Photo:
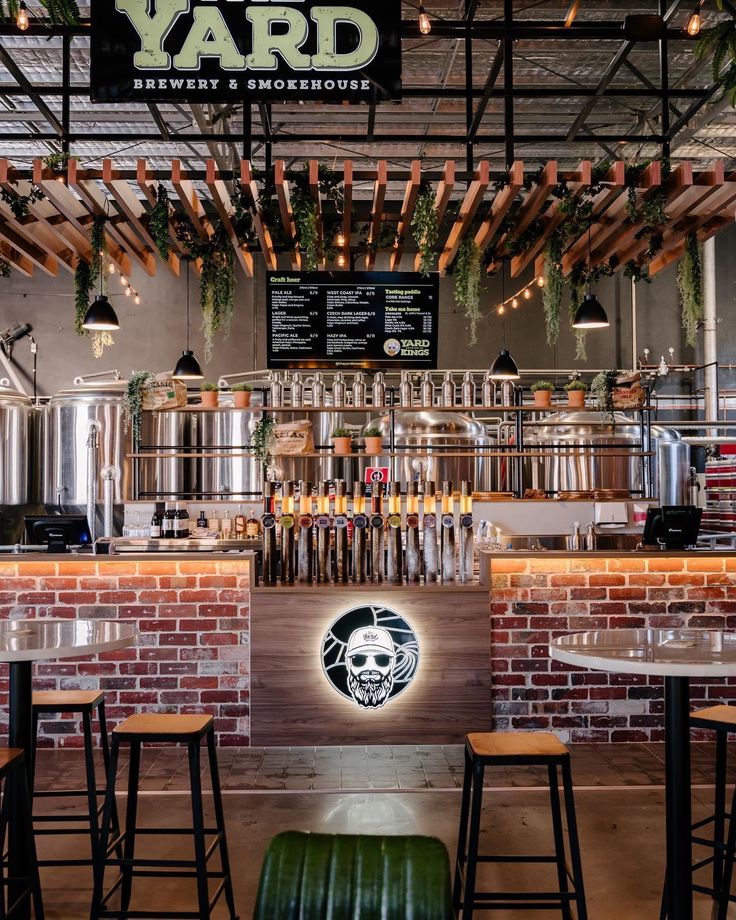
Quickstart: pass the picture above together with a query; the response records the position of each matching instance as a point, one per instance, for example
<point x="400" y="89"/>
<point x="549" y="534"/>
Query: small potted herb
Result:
<point x="542" y="391"/>
<point x="576" y="391"/>
<point x="373" y="439"/>
<point x="208" y="395"/>
<point x="342" y="439"/>
<point x="241" y="395"/>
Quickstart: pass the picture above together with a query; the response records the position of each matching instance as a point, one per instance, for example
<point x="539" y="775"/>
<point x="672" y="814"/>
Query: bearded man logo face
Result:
<point x="370" y="659"/>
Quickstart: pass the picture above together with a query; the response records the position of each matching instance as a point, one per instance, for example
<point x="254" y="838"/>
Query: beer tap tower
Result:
<point x="448" y="533"/>
<point x="429" y="526"/>
<point x="395" y="556"/>
<point x="323" y="533"/>
<point x="305" y="546"/>
<point x="340" y="520"/>
<point x="378" y="567"/>
<point x="360" y="534"/>
<point x="413" y="553"/>
<point x="466" y="532"/>
<point x="286" y="523"/>
<point x="268" y="522"/>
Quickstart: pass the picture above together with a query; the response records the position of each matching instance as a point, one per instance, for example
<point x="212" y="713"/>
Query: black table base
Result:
<point x="678" y="886"/>
<point x="20" y="843"/>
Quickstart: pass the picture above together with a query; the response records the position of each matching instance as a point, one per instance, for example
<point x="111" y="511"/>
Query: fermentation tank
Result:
<point x="426" y="435"/>
<point x="17" y="424"/>
<point x="611" y="459"/>
<point x="232" y="472"/>
<point x="166" y="474"/>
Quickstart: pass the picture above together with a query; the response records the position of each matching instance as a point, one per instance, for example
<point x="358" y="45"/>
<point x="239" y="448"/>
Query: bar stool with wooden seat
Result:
<point x="16" y="891"/>
<point x="173" y="728"/>
<point x="514" y="749"/>
<point x="87" y="703"/>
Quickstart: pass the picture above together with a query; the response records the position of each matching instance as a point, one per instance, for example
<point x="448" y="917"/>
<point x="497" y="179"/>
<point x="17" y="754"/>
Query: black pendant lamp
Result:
<point x="100" y="316"/>
<point x="187" y="367"/>
<point x="504" y="367"/>
<point x="590" y="314"/>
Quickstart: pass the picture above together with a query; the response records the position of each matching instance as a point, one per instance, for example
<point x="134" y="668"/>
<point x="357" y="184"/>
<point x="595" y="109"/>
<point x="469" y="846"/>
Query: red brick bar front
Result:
<point x="193" y="618"/>
<point x="536" y="597"/>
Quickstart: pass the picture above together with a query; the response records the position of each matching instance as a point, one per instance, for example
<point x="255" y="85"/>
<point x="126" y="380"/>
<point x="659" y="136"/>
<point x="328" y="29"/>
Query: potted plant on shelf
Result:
<point x="576" y="391"/>
<point x="542" y="391"/>
<point x="208" y="395"/>
<point x="342" y="439"/>
<point x="373" y="439"/>
<point x="241" y="395"/>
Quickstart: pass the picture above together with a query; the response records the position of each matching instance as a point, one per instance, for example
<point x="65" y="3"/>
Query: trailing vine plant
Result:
<point x="86" y="276"/>
<point x="261" y="440"/>
<point x="20" y="204"/>
<point x="690" y="287"/>
<point x="133" y="404"/>
<point x="467" y="284"/>
<point x="158" y="222"/>
<point x="602" y="387"/>
<point x="425" y="228"/>
<point x="314" y="246"/>
<point x="4" y="268"/>
<point x="60" y="12"/>
<point x="719" y="43"/>
<point x="57" y="161"/>
<point x="552" y="290"/>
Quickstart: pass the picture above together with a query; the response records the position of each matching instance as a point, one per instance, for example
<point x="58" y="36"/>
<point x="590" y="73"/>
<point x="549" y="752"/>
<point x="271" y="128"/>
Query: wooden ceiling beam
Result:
<point x="471" y="203"/>
<point x="313" y="168"/>
<point x="189" y="199"/>
<point x="287" y="216"/>
<point x="442" y="196"/>
<point x="35" y="254"/>
<point x="18" y="261"/>
<point x="500" y="206"/>
<point x="250" y="189"/>
<point x="148" y="185"/>
<point x="379" y="198"/>
<point x="223" y="204"/>
<point x="411" y="193"/>
<point x="347" y="211"/>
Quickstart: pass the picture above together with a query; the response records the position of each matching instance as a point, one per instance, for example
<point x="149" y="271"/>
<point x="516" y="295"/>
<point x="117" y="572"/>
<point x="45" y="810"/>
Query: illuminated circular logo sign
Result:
<point x="392" y="347"/>
<point x="370" y="655"/>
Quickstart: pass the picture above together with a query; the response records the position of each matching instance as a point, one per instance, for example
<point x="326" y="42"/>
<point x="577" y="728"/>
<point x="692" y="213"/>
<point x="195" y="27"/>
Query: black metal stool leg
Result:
<point x="462" y="838"/>
<point x="572" y="834"/>
<point x="131" y="811"/>
<point x="472" y="858"/>
<point x="200" y="856"/>
<point x="3" y="838"/>
<point x="89" y="763"/>
<point x="34" y="745"/>
<point x="719" y="821"/>
<point x="554" y="801"/>
<point x="100" y="857"/>
<point x="220" y="823"/>
<point x="725" y="891"/>
<point x="35" y="880"/>
<point x="105" y="747"/>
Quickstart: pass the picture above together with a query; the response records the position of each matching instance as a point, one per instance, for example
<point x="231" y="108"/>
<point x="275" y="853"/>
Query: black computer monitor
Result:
<point x="672" y="526"/>
<point x="57" y="532"/>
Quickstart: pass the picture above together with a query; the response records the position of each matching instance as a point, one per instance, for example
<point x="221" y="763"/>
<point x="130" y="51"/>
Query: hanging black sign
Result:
<point x="224" y="50"/>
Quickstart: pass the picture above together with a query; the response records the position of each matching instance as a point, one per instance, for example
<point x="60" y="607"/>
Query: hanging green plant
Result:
<point x="20" y="204"/>
<point x="86" y="276"/>
<point x="690" y="287"/>
<point x="576" y="298"/>
<point x="158" y="222"/>
<point x="425" y="228"/>
<point x="552" y="289"/>
<point x="261" y="440"/>
<point x="62" y="12"/>
<point x="133" y="404"/>
<point x="467" y="285"/>
<point x="57" y="161"/>
<point x="4" y="268"/>
<point x="83" y="284"/>
<point x="313" y="247"/>
<point x="602" y="387"/>
<point x="719" y="43"/>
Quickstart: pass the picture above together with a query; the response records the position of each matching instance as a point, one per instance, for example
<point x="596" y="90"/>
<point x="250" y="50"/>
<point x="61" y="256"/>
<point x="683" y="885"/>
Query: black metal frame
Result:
<point x="505" y="31"/>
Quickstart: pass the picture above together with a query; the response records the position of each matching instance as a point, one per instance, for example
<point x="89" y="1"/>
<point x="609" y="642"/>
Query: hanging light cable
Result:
<point x="504" y="367"/>
<point x="590" y="314"/>
<point x="187" y="367"/>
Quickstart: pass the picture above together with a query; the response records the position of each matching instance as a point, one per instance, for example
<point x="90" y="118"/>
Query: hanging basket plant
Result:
<point x="425" y="228"/>
<point x="159" y="222"/>
<point x="690" y="287"/>
<point x="467" y="285"/>
<point x="552" y="289"/>
<point x="602" y="387"/>
<point x="261" y="440"/>
<point x="87" y="276"/>
<point x="133" y="404"/>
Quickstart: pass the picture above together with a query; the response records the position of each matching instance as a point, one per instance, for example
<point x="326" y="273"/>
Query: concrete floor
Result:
<point x="620" y="822"/>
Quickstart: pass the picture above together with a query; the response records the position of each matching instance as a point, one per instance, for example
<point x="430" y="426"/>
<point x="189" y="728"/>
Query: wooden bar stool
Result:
<point x="15" y="893"/>
<point x="515" y="749"/>
<point x="173" y="729"/>
<point x="87" y="703"/>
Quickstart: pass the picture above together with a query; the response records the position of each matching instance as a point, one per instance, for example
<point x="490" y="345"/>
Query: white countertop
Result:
<point x="41" y="639"/>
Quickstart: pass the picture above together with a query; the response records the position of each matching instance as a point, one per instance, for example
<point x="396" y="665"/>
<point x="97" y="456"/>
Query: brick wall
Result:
<point x="534" y="600"/>
<point x="193" y="618"/>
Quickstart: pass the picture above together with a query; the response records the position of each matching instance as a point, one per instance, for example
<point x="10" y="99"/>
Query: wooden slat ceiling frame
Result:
<point x="442" y="195"/>
<point x="146" y="183"/>
<point x="347" y="217"/>
<point x="287" y="216"/>
<point x="16" y="259"/>
<point x="379" y="198"/>
<point x="221" y="200"/>
<point x="471" y="203"/>
<point x="250" y="190"/>
<point x="313" y="168"/>
<point x="500" y="206"/>
<point x="411" y="193"/>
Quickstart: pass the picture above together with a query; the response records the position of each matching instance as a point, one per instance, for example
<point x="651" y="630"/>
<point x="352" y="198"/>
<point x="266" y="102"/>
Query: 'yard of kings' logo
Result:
<point x="370" y="655"/>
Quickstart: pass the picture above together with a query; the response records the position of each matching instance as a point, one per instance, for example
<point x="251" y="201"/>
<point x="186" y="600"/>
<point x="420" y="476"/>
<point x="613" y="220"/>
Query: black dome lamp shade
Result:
<point x="100" y="316"/>
<point x="504" y="367"/>
<point x="590" y="314"/>
<point x="187" y="367"/>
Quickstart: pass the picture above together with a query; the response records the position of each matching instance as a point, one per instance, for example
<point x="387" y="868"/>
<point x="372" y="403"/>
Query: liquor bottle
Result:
<point x="202" y="520"/>
<point x="169" y="525"/>
<point x="427" y="390"/>
<point x="448" y="390"/>
<point x="226" y="525"/>
<point x="155" y="530"/>
<point x="338" y="390"/>
<point x="378" y="390"/>
<point x="213" y="522"/>
<point x="359" y="390"/>
<point x="252" y="527"/>
<point x="406" y="390"/>
<point x="181" y="523"/>
<point x="240" y="524"/>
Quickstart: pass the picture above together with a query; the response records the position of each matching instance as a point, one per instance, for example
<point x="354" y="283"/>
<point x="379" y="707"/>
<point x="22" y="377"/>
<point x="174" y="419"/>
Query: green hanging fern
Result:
<point x="467" y="285"/>
<point x="552" y="290"/>
<point x="19" y="204"/>
<point x="62" y="12"/>
<point x="158" y="222"/>
<point x="425" y="227"/>
<point x="690" y="287"/>
<point x="87" y="275"/>
<point x="83" y="284"/>
<point x="133" y="404"/>
<point x="4" y="268"/>
<point x="261" y="439"/>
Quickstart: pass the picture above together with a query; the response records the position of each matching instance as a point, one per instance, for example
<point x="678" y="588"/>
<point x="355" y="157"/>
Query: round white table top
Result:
<point x="38" y="640"/>
<point x="661" y="652"/>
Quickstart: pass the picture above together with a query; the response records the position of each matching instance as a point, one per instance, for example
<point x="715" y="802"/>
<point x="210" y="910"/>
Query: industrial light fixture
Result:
<point x="100" y="316"/>
<point x="425" y="24"/>
<point x="187" y="367"/>
<point x="590" y="314"/>
<point x="340" y="239"/>
<point x="504" y="367"/>
<point x="21" y="20"/>
<point x="694" y="22"/>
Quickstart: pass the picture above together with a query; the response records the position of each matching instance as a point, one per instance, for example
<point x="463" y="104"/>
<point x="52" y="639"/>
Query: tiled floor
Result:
<point x="400" y="789"/>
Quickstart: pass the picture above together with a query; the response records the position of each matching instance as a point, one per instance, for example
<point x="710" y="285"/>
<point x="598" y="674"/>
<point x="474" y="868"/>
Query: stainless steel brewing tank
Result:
<point x="425" y="437"/>
<point x="597" y="469"/>
<point x="66" y="428"/>
<point x="167" y="474"/>
<point x="233" y="472"/>
<point x="16" y="429"/>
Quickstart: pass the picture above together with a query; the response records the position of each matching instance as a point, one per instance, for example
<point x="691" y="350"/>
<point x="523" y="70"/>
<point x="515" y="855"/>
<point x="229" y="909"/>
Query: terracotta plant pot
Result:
<point x="374" y="445"/>
<point x="543" y="398"/>
<point x="208" y="399"/>
<point x="576" y="398"/>
<point x="241" y="399"/>
<point x="342" y="445"/>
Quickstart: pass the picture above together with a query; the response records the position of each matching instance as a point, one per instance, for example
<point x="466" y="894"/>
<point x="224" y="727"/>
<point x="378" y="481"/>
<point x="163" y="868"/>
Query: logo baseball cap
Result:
<point x="371" y="640"/>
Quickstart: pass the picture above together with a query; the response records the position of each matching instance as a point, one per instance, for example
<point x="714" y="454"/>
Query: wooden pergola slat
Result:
<point x="248" y="184"/>
<point x="411" y="194"/>
<point x="189" y="199"/>
<point x="16" y="259"/>
<point x="287" y="216"/>
<point x="471" y="203"/>
<point x="500" y="206"/>
<point x="147" y="185"/>
<point x="347" y="223"/>
<point x="35" y="254"/>
<point x="531" y="206"/>
<point x="379" y="197"/>
<point x="221" y="199"/>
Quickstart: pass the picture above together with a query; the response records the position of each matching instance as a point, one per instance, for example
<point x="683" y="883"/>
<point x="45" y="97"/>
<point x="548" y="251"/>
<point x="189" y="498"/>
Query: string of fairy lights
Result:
<point x="129" y="290"/>
<point x="516" y="300"/>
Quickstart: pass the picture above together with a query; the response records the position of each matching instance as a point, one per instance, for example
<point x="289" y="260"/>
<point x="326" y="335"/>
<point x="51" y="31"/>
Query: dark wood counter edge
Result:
<point x="352" y="588"/>
<point x="606" y="554"/>
<point x="246" y="556"/>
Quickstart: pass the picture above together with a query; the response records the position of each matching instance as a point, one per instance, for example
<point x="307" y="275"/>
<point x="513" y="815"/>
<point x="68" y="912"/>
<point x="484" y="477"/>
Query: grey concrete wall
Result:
<point x="153" y="333"/>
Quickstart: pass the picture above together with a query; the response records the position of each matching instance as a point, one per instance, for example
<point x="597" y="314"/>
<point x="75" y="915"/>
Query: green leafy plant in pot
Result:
<point x="373" y="439"/>
<point x="208" y="395"/>
<point x="342" y="440"/>
<point x="542" y="391"/>
<point x="576" y="391"/>
<point x="262" y="439"/>
<point x="241" y="395"/>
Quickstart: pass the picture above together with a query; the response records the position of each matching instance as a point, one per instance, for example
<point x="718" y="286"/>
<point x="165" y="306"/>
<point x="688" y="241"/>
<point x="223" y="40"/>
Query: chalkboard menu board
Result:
<point x="352" y="319"/>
